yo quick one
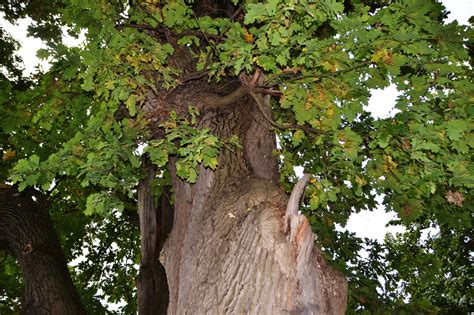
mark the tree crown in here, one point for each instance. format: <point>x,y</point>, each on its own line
<point>77,131</point>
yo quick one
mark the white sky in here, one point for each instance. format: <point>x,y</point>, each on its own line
<point>370,224</point>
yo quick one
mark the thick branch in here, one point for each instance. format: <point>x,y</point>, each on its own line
<point>147,213</point>
<point>295,197</point>
<point>215,101</point>
<point>152,285</point>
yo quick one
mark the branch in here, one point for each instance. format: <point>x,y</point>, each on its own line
<point>262,110</point>
<point>196,33</point>
<point>236,13</point>
<point>318,77</point>
<point>295,197</point>
<point>260,106</point>
<point>192,76</point>
<point>137,26</point>
<point>215,101</point>
<point>164,31</point>
<point>272,92</point>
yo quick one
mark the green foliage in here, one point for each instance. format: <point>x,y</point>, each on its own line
<point>76,132</point>
<point>191,146</point>
<point>10,278</point>
<point>436,262</point>
<point>108,270</point>
<point>9,61</point>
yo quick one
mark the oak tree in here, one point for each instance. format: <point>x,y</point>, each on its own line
<point>169,138</point>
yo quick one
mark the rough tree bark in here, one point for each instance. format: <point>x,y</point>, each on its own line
<point>26,229</point>
<point>232,249</point>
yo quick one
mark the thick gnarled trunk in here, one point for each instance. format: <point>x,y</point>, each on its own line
<point>27,229</point>
<point>234,258</point>
<point>228,251</point>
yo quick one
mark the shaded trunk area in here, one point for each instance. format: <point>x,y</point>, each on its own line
<point>229,251</point>
<point>27,231</point>
<point>156,218</point>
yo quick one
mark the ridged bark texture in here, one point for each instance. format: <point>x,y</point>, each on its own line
<point>228,252</point>
<point>27,229</point>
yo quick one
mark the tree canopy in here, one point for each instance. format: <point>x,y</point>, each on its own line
<point>79,131</point>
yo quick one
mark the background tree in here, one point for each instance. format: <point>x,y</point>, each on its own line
<point>26,231</point>
<point>204,87</point>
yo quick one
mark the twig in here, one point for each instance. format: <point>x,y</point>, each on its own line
<point>167,32</point>
<point>318,77</point>
<point>261,90</point>
<point>236,13</point>
<point>205,35</point>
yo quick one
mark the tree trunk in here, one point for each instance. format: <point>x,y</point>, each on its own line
<point>25,226</point>
<point>228,251</point>
<point>155,223</point>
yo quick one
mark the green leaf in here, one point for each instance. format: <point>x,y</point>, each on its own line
<point>210,162</point>
<point>123,94</point>
<point>255,12</point>
<point>94,204</point>
<point>192,176</point>
<point>455,128</point>
<point>34,160</point>
<point>158,156</point>
<point>88,84</point>
<point>130,103</point>
<point>43,53</point>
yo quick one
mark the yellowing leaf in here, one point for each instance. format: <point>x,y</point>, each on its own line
<point>329,66</point>
<point>130,103</point>
<point>8,155</point>
<point>110,84</point>
<point>455,198</point>
<point>330,111</point>
<point>389,165</point>
<point>248,36</point>
<point>360,181</point>
<point>383,55</point>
